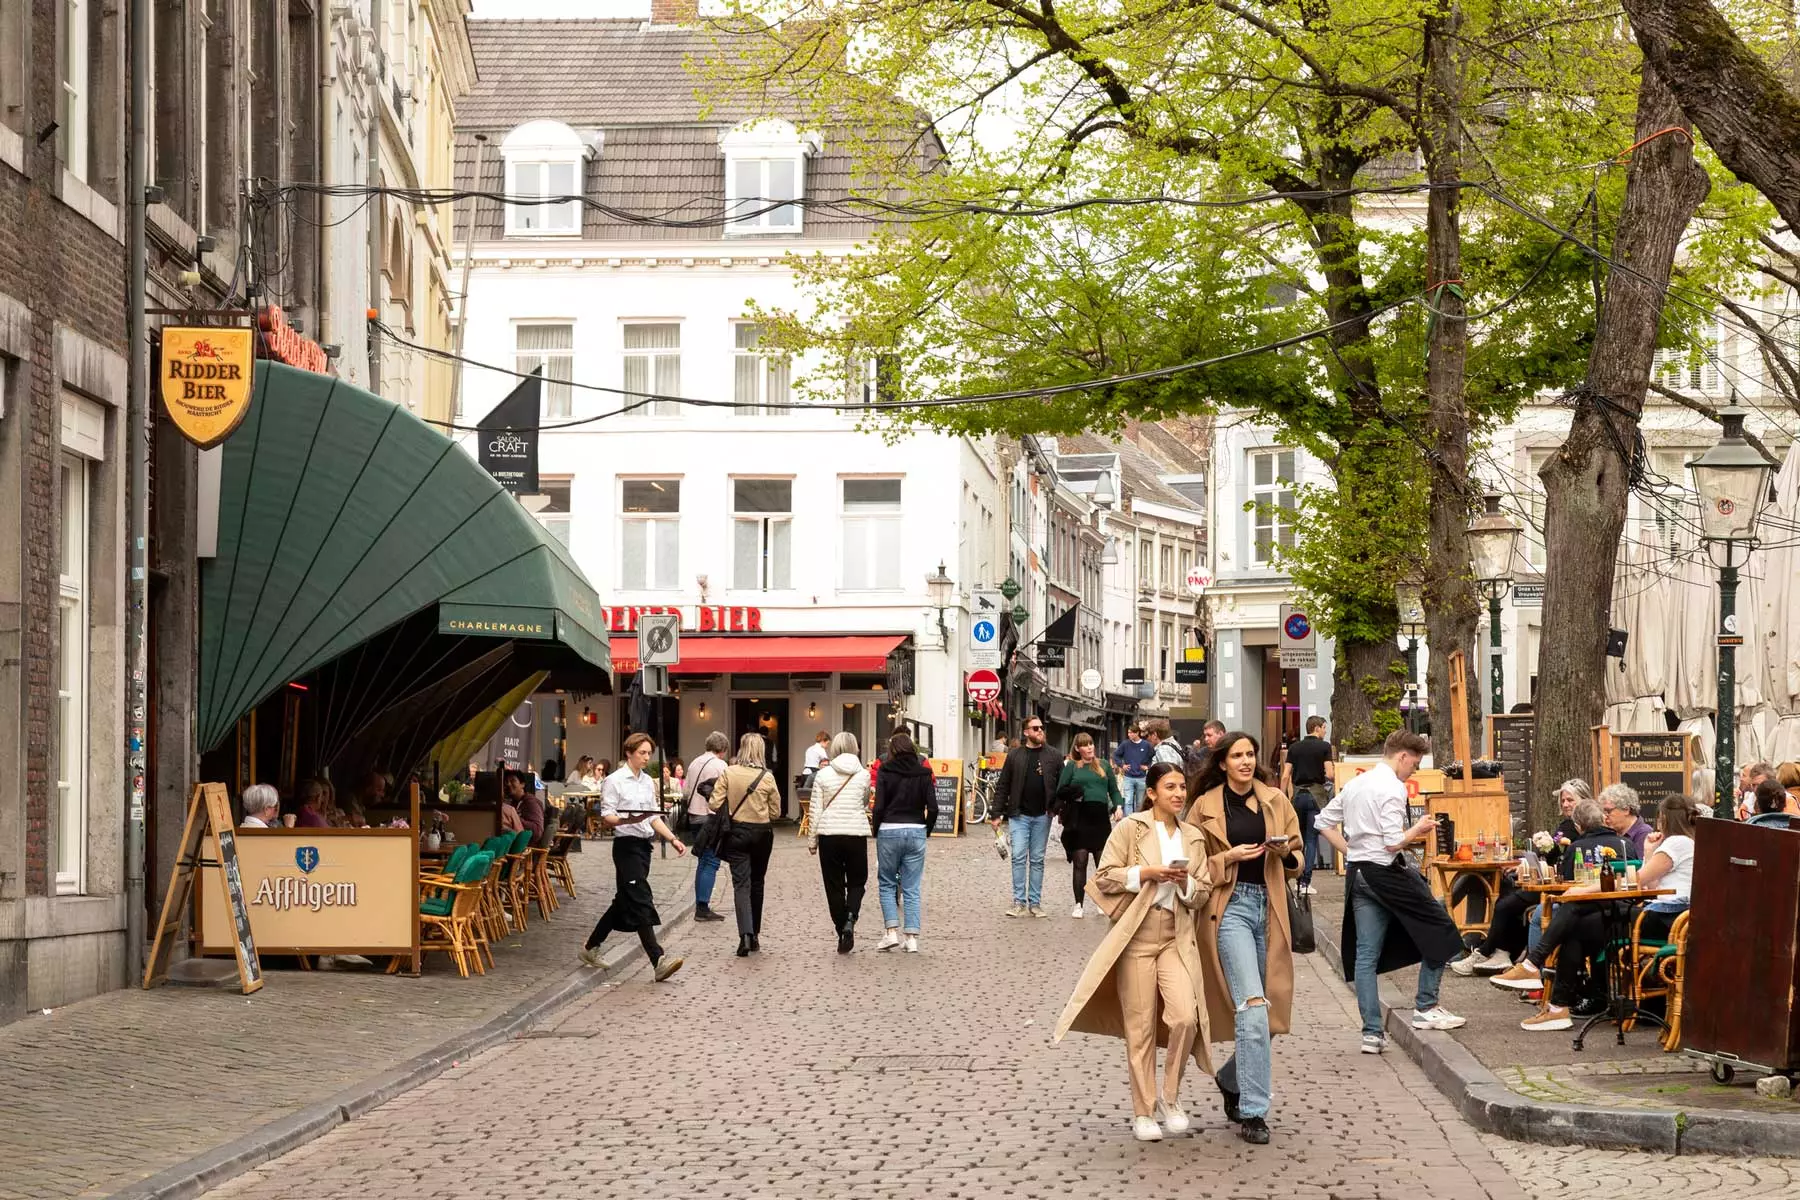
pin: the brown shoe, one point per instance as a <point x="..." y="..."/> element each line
<point x="666" y="966"/>
<point x="1520" y="977"/>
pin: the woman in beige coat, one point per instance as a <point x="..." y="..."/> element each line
<point x="1152" y="878"/>
<point x="1252" y="840"/>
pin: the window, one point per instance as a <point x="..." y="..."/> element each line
<point x="762" y="534"/>
<point x="15" y="77"/>
<point x="871" y="555"/>
<point x="650" y="536"/>
<point x="1165" y="650"/>
<point x="219" y="122"/>
<point x="554" y="516"/>
<point x="871" y="379"/>
<point x="1144" y="639"/>
<point x="1146" y="566"/>
<point x="653" y="367"/>
<point x="1695" y="366"/>
<point x="765" y="171"/>
<point x="759" y="380"/>
<point x="71" y="681"/>
<point x="1272" y="504"/>
<point x="170" y="85"/>
<point x="546" y="163"/>
<point x="1533" y="537"/>
<point x="1167" y="578"/>
<point x="551" y="347"/>
<point x="72" y="89"/>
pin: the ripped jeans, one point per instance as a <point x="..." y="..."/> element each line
<point x="1243" y="951"/>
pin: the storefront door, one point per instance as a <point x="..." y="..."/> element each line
<point x="769" y="718"/>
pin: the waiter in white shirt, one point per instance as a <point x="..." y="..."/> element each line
<point x="631" y="808"/>
<point x="1366" y="822"/>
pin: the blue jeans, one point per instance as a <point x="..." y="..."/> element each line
<point x="1243" y="951"/>
<point x="899" y="869"/>
<point x="1534" y="927"/>
<point x="1030" y="836"/>
<point x="1306" y="807"/>
<point x="1132" y="789"/>
<point x="706" y="869"/>
<point x="1372" y="921"/>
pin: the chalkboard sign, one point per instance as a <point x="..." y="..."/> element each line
<point x="947" y="779"/>
<point x="209" y="812"/>
<point x="1654" y="764"/>
<point x="218" y="808"/>
<point x="1512" y="735"/>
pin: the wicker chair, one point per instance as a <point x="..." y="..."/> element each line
<point x="1673" y="968"/>
<point x="450" y="917"/>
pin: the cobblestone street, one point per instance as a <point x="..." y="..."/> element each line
<point x="800" y="1073"/>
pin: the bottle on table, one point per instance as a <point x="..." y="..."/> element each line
<point x="1608" y="881"/>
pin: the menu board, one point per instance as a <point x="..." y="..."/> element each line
<point x="1513" y="738"/>
<point x="1655" y="764"/>
<point x="947" y="779"/>
<point x="225" y="837"/>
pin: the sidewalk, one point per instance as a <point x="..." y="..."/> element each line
<point x="1538" y="1087"/>
<point x="113" y="1090"/>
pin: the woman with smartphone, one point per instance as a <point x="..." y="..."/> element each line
<point x="1144" y="982"/>
<point x="1252" y="840"/>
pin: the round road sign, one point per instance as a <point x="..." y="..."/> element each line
<point x="1297" y="626"/>
<point x="1198" y="579"/>
<point x="983" y="685"/>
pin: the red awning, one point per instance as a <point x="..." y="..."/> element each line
<point x="706" y="655"/>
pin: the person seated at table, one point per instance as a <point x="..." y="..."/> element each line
<point x="370" y="794"/>
<point x="512" y="790"/>
<point x="1578" y="930"/>
<point x="315" y="805"/>
<point x="1772" y="805"/>
<point x="261" y="804"/>
<point x="527" y="802"/>
<point x="1516" y="916"/>
<point x="1619" y="802"/>
<point x="1788" y="775"/>
<point x="585" y="775"/>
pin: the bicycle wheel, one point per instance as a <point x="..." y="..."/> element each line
<point x="978" y="808"/>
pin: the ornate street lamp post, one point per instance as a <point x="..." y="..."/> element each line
<point x="1493" y="540"/>
<point x="1411" y="603"/>
<point x="1732" y="479"/>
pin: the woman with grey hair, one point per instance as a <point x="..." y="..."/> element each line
<point x="262" y="804"/>
<point x="839" y="816"/>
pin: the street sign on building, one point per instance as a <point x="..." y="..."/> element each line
<point x="1090" y="680"/>
<point x="1052" y="658"/>
<point x="1299" y="640"/>
<point x="1198" y="578"/>
<point x="1192" y="666"/>
<point x="983" y="685"/>
<point x="659" y="639"/>
<point x="984" y="630"/>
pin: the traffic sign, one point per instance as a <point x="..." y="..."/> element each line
<point x="1299" y="640"/>
<point x="1199" y="578"/>
<point x="659" y="639"/>
<point x="983" y="685"/>
<point x="984" y="627"/>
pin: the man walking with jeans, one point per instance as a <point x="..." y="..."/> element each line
<point x="1132" y="758"/>
<point x="1303" y="779"/>
<point x="1366" y="822"/>
<point x="1027" y="786"/>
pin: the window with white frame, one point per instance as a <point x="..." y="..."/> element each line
<point x="653" y="367"/>
<point x="555" y="515"/>
<point x="546" y="165"/>
<point x="1273" y="507"/>
<point x="762" y="534"/>
<point x="551" y="347"/>
<point x="1694" y="367"/>
<point x="765" y="173"/>
<point x="1145" y="639"/>
<point x="871" y="518"/>
<point x="1533" y="537"/>
<point x="649" y="534"/>
<point x="83" y="444"/>
<point x="759" y="379"/>
<point x="72" y="88"/>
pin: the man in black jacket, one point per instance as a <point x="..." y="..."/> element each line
<point x="1025" y="795"/>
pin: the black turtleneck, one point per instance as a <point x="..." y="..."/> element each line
<point x="1244" y="826"/>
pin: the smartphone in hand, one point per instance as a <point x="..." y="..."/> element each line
<point x="1278" y="842"/>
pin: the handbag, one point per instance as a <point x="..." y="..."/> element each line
<point x="1302" y="938"/>
<point x="817" y="816"/>
<point x="717" y="828"/>
<point x="1113" y="904"/>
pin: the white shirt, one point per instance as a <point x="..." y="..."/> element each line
<point x="254" y="823"/>
<point x="1680" y="878"/>
<point x="1169" y="841"/>
<point x="1372" y="810"/>
<point x="816" y="757"/>
<point x="625" y="792"/>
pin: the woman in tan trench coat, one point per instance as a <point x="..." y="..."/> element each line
<point x="1252" y="839"/>
<point x="1150" y="960"/>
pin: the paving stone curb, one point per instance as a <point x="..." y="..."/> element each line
<point x="208" y="1170"/>
<point x="1487" y="1103"/>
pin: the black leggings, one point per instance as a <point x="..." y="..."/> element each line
<point x="1507" y="929"/>
<point x="1080" y="856"/>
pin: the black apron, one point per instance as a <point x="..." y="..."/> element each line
<point x="633" y="906"/>
<point x="1421" y="931"/>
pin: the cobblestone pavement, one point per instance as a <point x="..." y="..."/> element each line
<point x="117" y="1088"/>
<point x="801" y="1073"/>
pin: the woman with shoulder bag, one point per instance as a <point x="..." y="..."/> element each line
<point x="840" y="834"/>
<point x="1087" y="796"/>
<point x="750" y="803"/>
<point x="1252" y="841"/>
<point x="1145" y="982"/>
<point x="905" y="811"/>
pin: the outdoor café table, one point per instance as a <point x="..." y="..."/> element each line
<point x="1546" y="890"/>
<point x="1487" y="873"/>
<point x="1616" y="911"/>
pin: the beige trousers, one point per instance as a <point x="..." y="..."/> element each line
<point x="1149" y="970"/>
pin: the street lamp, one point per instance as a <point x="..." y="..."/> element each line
<point x="1109" y="552"/>
<point x="1410" y="600"/>
<point x="1732" y="479"/>
<point x="1493" y="540"/>
<point x="938" y="587"/>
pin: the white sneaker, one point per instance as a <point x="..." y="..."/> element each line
<point x="912" y="943"/>
<point x="1437" y="1018"/>
<point x="1373" y="1043"/>
<point x="1307" y="889"/>
<point x="1017" y="910"/>
<point x="889" y="940"/>
<point x="1080" y="911"/>
<point x="1465" y="966"/>
<point x="1173" y="1117"/>
<point x="1499" y="960"/>
<point x="1037" y="911"/>
<point x="594" y="958"/>
<point x="1145" y="1129"/>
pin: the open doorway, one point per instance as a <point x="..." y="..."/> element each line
<point x="770" y="719"/>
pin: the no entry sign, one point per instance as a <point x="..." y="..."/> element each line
<point x="983" y="685"/>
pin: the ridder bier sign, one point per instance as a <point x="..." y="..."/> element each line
<point x="205" y="384"/>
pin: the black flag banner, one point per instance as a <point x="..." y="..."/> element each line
<point x="509" y="437"/>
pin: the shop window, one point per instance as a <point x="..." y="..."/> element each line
<point x="650" y="533"/>
<point x="551" y="347"/>
<point x="759" y="379"/>
<point x="545" y="169"/>
<point x="1273" y="507"/>
<point x="555" y="515"/>
<point x="871" y="546"/>
<point x="762" y="534"/>
<point x="653" y="368"/>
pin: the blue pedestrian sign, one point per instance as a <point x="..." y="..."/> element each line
<point x="984" y="631"/>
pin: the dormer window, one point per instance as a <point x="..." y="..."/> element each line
<point x="546" y="167"/>
<point x="765" y="174"/>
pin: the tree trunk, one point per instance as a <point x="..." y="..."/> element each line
<point x="1451" y="609"/>
<point x="1367" y="678"/>
<point x="1749" y="117"/>
<point x="1587" y="482"/>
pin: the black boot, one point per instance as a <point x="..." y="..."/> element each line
<point x="704" y="912"/>
<point x="746" y="944"/>
<point x="1254" y="1130"/>
<point x="846" y="938"/>
<point x="1231" y="1104"/>
<point x="755" y="943"/>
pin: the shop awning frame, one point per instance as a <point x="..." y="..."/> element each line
<point x="707" y="654"/>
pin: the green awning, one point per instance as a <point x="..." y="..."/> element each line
<point x="453" y="753"/>
<point x="341" y="515"/>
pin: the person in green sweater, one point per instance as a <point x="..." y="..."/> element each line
<point x="1087" y="793"/>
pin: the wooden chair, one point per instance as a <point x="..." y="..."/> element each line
<point x="450" y="917"/>
<point x="493" y="898"/>
<point x="515" y="878"/>
<point x="537" y="881"/>
<point x="1673" y="968"/>
<point x="558" y="863"/>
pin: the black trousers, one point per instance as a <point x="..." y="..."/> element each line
<point x="1507" y="930"/>
<point x="633" y="908"/>
<point x="747" y="850"/>
<point x="844" y="865"/>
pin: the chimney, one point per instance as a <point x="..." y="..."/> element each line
<point x="674" y="12"/>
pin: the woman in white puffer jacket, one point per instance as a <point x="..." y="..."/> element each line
<point x="840" y="834"/>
